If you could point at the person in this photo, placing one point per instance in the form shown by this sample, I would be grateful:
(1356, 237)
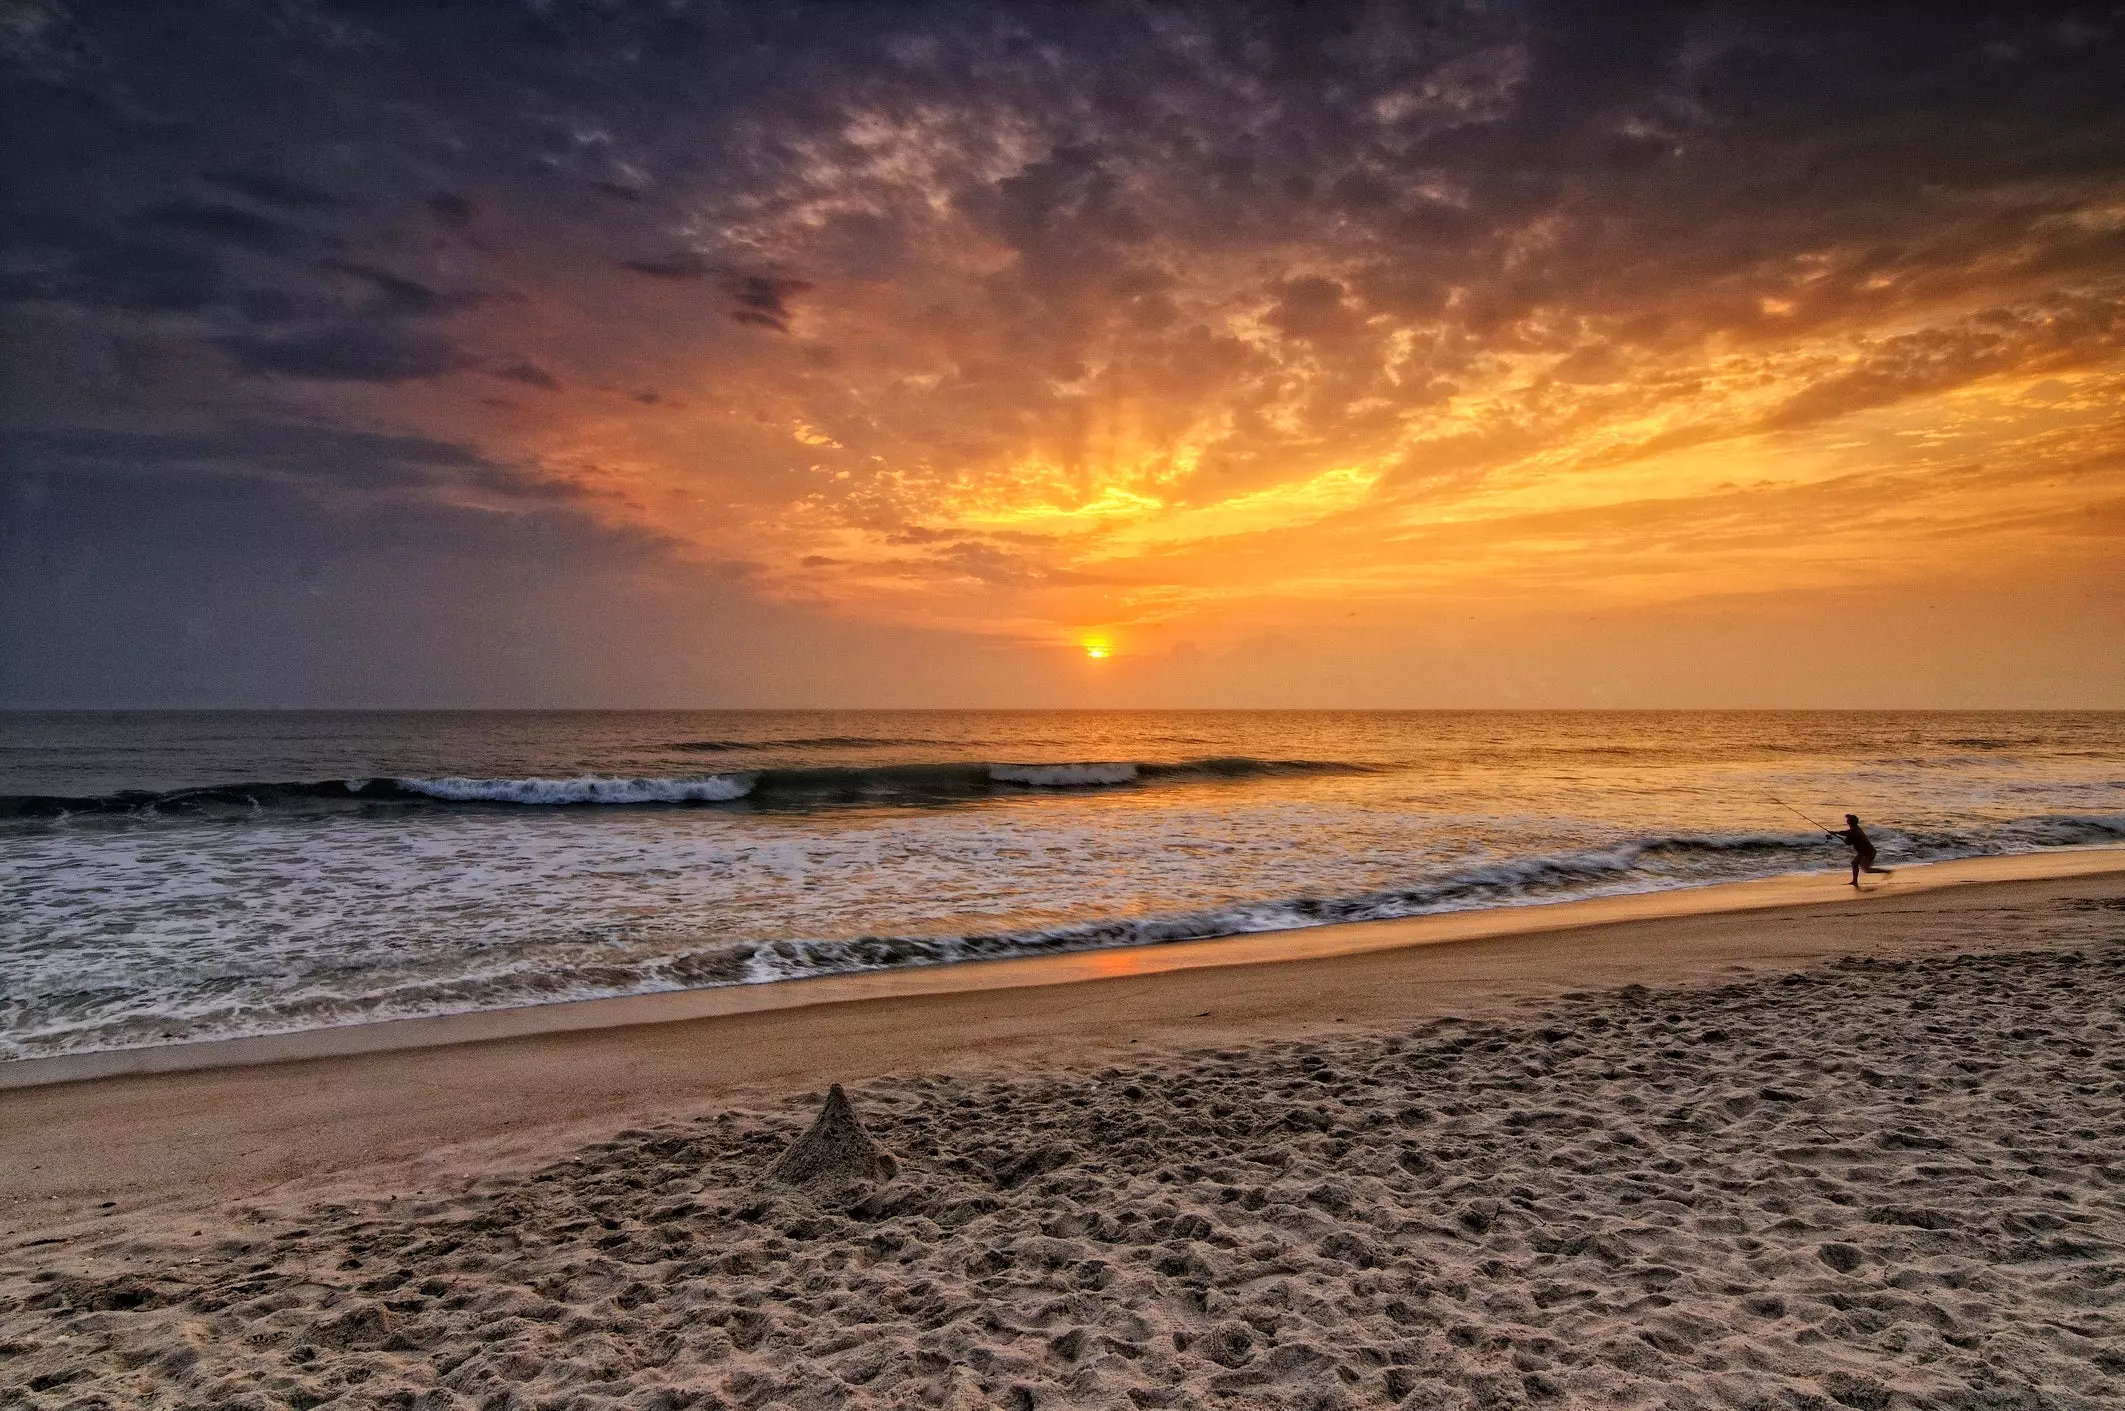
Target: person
(1855, 837)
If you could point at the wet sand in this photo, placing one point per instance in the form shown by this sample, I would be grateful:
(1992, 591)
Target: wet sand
(1867, 1152)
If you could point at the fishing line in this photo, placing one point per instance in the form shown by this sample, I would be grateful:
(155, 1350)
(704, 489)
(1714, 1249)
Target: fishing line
(1801, 816)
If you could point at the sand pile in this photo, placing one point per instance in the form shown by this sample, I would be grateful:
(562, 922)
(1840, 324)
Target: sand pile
(1878, 1184)
(834, 1151)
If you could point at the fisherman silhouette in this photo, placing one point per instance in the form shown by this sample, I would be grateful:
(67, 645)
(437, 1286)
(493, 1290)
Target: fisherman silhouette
(1855, 837)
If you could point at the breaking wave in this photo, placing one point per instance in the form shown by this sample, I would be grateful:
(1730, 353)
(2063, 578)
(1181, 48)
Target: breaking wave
(1647, 864)
(904, 784)
(1062, 776)
(588, 789)
(807, 742)
(319, 983)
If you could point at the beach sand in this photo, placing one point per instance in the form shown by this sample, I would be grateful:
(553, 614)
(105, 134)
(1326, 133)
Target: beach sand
(1868, 1152)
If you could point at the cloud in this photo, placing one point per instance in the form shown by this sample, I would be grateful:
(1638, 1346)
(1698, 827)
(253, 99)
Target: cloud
(758, 300)
(1107, 312)
(919, 534)
(395, 296)
(1312, 308)
(269, 188)
(452, 209)
(683, 265)
(288, 450)
(2050, 336)
(763, 300)
(122, 272)
(346, 352)
(531, 375)
(226, 223)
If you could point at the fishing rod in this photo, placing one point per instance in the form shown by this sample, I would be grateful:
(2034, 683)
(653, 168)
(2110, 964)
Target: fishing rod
(1801, 816)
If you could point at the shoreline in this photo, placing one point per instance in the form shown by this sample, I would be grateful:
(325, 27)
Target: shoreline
(1040, 971)
(75, 1154)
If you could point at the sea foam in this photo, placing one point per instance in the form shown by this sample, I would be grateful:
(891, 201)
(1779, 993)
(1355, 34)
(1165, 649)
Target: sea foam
(587, 789)
(1063, 776)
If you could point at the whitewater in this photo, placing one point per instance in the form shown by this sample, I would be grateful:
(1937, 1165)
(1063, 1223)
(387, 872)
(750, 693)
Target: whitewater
(175, 877)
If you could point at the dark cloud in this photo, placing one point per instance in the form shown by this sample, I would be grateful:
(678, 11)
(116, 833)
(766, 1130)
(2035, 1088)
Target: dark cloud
(985, 563)
(683, 265)
(918, 534)
(275, 190)
(201, 588)
(247, 449)
(230, 223)
(134, 274)
(763, 300)
(452, 209)
(532, 375)
(1312, 308)
(347, 352)
(394, 296)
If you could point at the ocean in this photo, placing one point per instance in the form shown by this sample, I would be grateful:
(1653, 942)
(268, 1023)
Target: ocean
(168, 877)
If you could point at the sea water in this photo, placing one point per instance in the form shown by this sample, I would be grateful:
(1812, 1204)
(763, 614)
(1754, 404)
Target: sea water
(168, 877)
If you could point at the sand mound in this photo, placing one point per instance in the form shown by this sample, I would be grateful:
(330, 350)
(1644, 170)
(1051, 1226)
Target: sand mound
(835, 1150)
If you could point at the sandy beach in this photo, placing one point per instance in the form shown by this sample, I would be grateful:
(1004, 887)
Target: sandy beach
(1817, 1150)
(1040, 706)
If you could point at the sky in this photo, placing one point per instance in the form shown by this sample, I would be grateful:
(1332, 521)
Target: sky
(1158, 354)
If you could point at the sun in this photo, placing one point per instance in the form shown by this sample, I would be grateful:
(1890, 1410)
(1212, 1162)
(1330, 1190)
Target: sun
(1097, 648)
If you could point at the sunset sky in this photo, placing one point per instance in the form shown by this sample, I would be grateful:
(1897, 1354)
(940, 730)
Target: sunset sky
(1158, 354)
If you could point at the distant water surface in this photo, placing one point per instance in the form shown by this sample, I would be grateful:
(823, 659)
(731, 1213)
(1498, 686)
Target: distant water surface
(181, 876)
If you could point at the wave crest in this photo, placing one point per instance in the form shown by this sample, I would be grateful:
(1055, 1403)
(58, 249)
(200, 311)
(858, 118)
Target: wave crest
(805, 742)
(913, 785)
(1054, 776)
(587, 789)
